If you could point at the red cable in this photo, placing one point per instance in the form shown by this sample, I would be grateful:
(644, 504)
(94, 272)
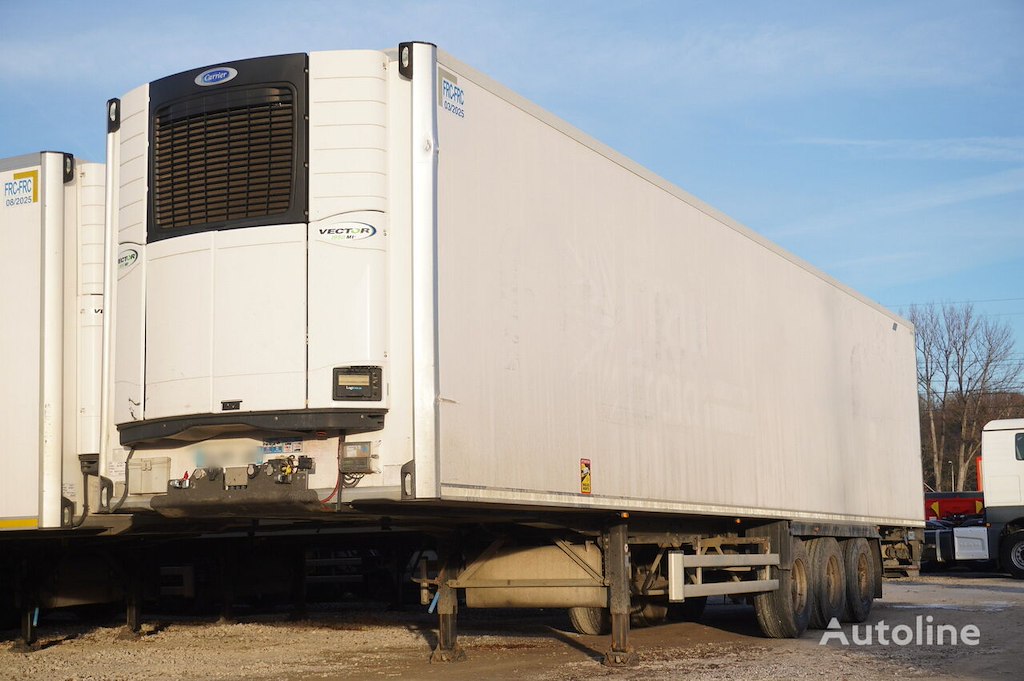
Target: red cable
(333, 492)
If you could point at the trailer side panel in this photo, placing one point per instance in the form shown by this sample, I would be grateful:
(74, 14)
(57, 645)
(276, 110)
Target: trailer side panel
(605, 340)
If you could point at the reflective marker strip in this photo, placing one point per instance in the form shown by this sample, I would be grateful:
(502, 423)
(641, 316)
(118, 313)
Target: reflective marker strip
(18, 523)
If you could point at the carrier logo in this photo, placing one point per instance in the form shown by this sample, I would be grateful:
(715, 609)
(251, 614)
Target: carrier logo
(127, 258)
(450, 96)
(221, 74)
(23, 189)
(347, 231)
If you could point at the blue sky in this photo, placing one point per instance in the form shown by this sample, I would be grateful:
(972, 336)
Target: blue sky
(881, 141)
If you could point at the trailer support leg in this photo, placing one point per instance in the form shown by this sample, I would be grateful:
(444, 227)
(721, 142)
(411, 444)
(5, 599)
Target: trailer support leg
(448, 649)
(298, 589)
(26, 600)
(227, 583)
(29, 625)
(133, 604)
(620, 654)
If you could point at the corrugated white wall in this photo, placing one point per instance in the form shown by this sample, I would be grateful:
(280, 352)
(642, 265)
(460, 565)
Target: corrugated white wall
(130, 295)
(348, 135)
(347, 132)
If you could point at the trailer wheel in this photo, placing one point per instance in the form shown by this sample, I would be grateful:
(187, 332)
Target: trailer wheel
(860, 579)
(1011, 554)
(785, 612)
(690, 610)
(828, 581)
(590, 621)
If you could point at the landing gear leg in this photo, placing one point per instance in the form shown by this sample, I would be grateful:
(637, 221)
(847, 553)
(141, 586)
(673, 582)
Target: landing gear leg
(621, 654)
(26, 600)
(133, 605)
(29, 629)
(448, 649)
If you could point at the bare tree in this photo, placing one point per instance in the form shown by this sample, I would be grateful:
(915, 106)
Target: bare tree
(967, 375)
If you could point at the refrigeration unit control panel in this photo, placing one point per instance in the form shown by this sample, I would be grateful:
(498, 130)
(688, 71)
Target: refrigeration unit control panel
(357, 383)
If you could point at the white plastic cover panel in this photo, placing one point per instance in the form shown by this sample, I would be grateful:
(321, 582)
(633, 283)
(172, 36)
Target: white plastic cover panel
(131, 144)
(347, 133)
(259, 318)
(970, 543)
(226, 321)
(347, 300)
(179, 326)
(90, 306)
(348, 150)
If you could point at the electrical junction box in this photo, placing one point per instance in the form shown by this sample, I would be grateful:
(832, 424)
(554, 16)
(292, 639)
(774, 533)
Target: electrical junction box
(357, 457)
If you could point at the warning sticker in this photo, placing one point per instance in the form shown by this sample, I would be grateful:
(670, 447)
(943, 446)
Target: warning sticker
(584, 476)
(284, 445)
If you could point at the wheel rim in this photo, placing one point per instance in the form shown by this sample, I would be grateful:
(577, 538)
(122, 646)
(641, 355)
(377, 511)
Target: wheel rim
(798, 588)
(832, 580)
(1017, 555)
(863, 576)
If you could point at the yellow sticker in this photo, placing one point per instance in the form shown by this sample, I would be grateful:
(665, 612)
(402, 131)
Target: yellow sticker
(18, 523)
(24, 189)
(584, 476)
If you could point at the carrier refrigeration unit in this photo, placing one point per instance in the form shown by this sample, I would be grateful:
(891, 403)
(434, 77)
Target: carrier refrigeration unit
(378, 286)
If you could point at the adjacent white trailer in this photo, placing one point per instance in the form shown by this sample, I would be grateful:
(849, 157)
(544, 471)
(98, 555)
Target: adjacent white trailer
(51, 238)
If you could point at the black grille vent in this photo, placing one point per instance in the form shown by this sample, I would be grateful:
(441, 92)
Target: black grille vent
(224, 156)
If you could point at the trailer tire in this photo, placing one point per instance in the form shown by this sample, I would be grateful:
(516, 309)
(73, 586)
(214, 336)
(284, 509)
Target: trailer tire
(590, 621)
(785, 612)
(649, 613)
(690, 610)
(828, 582)
(1011, 554)
(860, 579)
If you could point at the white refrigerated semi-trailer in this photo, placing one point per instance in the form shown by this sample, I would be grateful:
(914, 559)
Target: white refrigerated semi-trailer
(501, 308)
(377, 285)
(51, 240)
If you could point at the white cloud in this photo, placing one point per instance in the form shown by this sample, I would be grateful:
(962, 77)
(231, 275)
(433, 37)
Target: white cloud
(879, 209)
(1008, 149)
(915, 236)
(550, 51)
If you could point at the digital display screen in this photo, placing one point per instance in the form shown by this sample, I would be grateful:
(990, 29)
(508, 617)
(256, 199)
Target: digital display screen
(358, 383)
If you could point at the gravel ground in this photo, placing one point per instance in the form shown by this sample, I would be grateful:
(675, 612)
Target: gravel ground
(369, 643)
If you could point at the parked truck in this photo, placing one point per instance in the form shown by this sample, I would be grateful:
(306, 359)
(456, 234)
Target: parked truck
(996, 534)
(377, 288)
